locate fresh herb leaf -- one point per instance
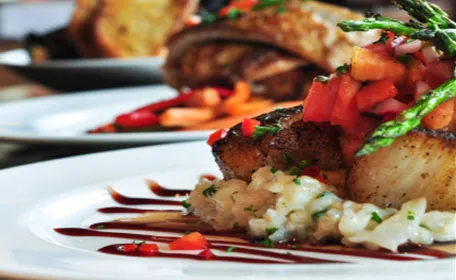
(274, 170)
(139, 243)
(303, 164)
(236, 225)
(282, 9)
(343, 69)
(271, 230)
(297, 181)
(262, 130)
(425, 227)
(411, 215)
(294, 171)
(288, 158)
(210, 191)
(231, 249)
(375, 217)
(323, 194)
(383, 38)
(208, 18)
(186, 205)
(234, 13)
(318, 215)
(100, 227)
(268, 243)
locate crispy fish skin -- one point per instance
(420, 164)
(239, 156)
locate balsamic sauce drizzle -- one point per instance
(243, 246)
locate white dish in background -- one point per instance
(85, 74)
(64, 119)
(66, 193)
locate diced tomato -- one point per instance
(370, 66)
(165, 104)
(390, 106)
(216, 136)
(311, 171)
(248, 126)
(149, 249)
(314, 103)
(420, 56)
(364, 127)
(192, 241)
(375, 93)
(438, 72)
(349, 147)
(440, 117)
(345, 111)
(128, 248)
(207, 255)
(320, 101)
(137, 120)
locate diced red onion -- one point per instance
(389, 106)
(407, 48)
(398, 41)
(430, 54)
(421, 88)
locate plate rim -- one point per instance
(85, 139)
(28, 272)
(81, 62)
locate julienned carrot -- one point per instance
(370, 66)
(241, 95)
(248, 107)
(185, 117)
(204, 98)
(229, 122)
(440, 117)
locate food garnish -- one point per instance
(433, 25)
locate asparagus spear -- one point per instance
(387, 133)
(435, 26)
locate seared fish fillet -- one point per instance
(239, 156)
(422, 163)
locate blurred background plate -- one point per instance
(85, 74)
(64, 119)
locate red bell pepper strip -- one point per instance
(149, 249)
(137, 120)
(248, 126)
(345, 111)
(207, 255)
(165, 104)
(192, 241)
(375, 93)
(216, 136)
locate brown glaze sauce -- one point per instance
(219, 241)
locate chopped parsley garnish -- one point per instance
(383, 38)
(100, 227)
(323, 194)
(321, 79)
(288, 158)
(404, 59)
(231, 249)
(272, 230)
(318, 215)
(262, 130)
(282, 9)
(210, 191)
(268, 3)
(297, 181)
(268, 243)
(281, 111)
(303, 164)
(411, 215)
(187, 232)
(186, 205)
(274, 170)
(234, 13)
(425, 227)
(375, 217)
(294, 171)
(139, 243)
(343, 69)
(236, 225)
(250, 209)
(208, 18)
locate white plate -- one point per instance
(66, 193)
(85, 74)
(64, 119)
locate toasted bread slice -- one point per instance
(138, 27)
(80, 27)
